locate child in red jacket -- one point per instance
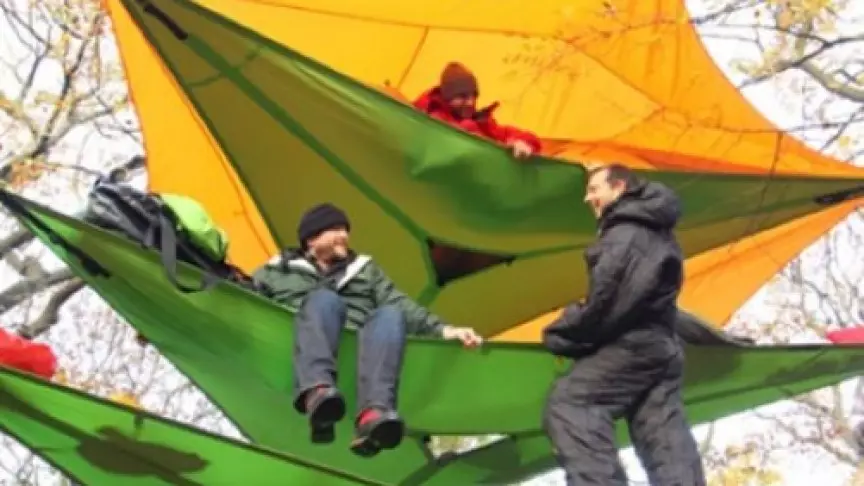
(454, 101)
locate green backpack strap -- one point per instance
(198, 226)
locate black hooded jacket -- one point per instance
(636, 274)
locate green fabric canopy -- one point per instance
(237, 347)
(298, 132)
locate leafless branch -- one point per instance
(721, 14)
(816, 438)
(51, 313)
(15, 239)
(25, 288)
(830, 82)
(843, 128)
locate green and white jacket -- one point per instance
(288, 278)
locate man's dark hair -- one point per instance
(615, 173)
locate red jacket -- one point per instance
(483, 125)
(27, 356)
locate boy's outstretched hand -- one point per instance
(465, 334)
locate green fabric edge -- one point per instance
(95, 441)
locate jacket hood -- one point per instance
(650, 204)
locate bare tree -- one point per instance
(65, 115)
(809, 54)
(64, 94)
(818, 292)
(807, 60)
(58, 97)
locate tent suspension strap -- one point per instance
(162, 17)
(840, 196)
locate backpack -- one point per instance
(176, 226)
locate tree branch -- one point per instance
(830, 82)
(51, 314)
(15, 239)
(818, 440)
(844, 127)
(81, 99)
(804, 62)
(27, 287)
(727, 10)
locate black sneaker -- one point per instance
(325, 407)
(385, 431)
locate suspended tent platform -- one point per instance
(266, 129)
(289, 125)
(243, 363)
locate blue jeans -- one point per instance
(317, 330)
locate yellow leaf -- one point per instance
(844, 141)
(44, 97)
(61, 377)
(769, 477)
(125, 398)
(785, 19)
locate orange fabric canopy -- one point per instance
(587, 76)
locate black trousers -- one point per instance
(638, 378)
(318, 328)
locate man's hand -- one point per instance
(465, 334)
(520, 149)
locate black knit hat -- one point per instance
(318, 219)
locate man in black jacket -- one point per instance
(630, 361)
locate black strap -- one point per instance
(167, 21)
(840, 196)
(168, 253)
